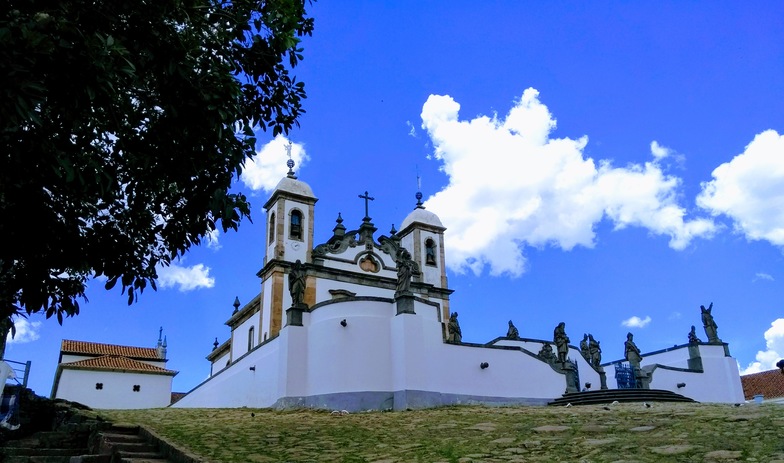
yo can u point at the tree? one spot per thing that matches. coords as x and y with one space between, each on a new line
122 127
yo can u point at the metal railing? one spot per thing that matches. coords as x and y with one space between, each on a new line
22 371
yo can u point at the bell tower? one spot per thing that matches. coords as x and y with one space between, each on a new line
290 211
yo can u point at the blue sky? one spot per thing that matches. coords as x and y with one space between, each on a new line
612 165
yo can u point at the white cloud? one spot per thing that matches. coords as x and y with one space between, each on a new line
636 322
774 342
658 151
512 185
185 278
265 170
411 129
213 239
26 331
763 276
750 189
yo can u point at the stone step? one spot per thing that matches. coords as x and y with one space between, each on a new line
141 456
40 452
121 438
620 395
135 447
37 459
144 460
91 459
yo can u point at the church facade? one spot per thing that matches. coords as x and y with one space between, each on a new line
364 322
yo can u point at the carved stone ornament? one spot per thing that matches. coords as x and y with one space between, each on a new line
369 264
337 244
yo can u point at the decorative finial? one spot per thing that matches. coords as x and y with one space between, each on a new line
339 229
419 191
393 231
215 344
290 162
236 304
160 333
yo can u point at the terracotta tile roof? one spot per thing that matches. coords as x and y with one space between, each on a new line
95 348
117 362
768 383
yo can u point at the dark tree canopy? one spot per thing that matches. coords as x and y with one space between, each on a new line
123 124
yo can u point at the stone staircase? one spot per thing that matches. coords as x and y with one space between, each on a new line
115 444
607 396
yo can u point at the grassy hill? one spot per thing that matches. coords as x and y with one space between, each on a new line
625 432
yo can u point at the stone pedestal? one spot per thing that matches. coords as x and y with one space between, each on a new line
294 314
572 380
404 301
603 378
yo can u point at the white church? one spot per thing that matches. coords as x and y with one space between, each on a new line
362 322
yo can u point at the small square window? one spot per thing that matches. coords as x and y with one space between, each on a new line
99 386
136 388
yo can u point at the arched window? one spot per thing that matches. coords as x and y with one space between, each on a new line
295 229
251 333
272 228
430 252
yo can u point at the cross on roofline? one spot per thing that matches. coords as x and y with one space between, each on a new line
367 198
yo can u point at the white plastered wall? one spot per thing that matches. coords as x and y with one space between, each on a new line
117 392
239 336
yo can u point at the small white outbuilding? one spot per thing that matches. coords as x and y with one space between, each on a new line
110 376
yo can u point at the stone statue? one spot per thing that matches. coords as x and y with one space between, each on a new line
455 336
404 270
561 341
584 348
512 332
693 339
708 323
595 351
632 352
297 284
546 352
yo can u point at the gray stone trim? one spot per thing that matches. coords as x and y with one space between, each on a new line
652 368
676 347
387 300
289 195
398 400
246 312
220 350
422 226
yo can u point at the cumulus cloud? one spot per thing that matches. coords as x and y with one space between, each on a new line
512 185
26 331
658 151
185 278
750 189
774 342
265 170
636 322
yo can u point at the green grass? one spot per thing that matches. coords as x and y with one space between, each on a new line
621 433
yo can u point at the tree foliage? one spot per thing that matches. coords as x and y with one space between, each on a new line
122 126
